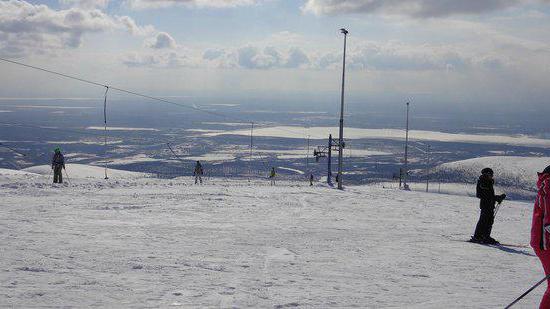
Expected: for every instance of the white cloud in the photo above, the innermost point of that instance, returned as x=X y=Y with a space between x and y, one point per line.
x=414 y=8
x=213 y=53
x=130 y=25
x=27 y=28
x=372 y=56
x=396 y=56
x=162 y=40
x=153 y=4
x=172 y=59
x=85 y=4
x=296 y=58
x=250 y=57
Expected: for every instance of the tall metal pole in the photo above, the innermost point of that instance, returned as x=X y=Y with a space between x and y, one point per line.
x=105 y=123
x=406 y=171
x=307 y=155
x=329 y=159
x=251 y=144
x=341 y=136
x=427 y=167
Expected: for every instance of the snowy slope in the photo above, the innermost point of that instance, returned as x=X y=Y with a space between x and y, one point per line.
x=7 y=175
x=519 y=172
x=234 y=243
x=4 y=172
x=77 y=171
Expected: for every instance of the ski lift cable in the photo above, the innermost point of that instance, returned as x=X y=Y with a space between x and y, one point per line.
x=120 y=89
x=175 y=154
x=13 y=150
x=417 y=148
x=193 y=107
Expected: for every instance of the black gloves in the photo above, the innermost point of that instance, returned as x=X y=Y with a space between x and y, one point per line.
x=500 y=198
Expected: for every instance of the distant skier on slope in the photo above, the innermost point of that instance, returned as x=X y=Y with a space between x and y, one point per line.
x=197 y=172
x=58 y=163
x=272 y=175
x=540 y=228
x=486 y=193
x=310 y=180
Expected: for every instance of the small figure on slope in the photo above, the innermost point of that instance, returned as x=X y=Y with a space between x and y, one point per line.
x=58 y=163
x=540 y=228
x=486 y=193
x=310 y=180
x=272 y=175
x=197 y=172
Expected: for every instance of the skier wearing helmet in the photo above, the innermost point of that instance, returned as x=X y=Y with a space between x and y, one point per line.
x=58 y=163
x=486 y=193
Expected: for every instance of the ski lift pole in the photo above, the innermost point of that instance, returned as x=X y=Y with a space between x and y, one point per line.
x=329 y=159
x=528 y=291
x=251 y=144
x=406 y=168
x=105 y=126
x=427 y=168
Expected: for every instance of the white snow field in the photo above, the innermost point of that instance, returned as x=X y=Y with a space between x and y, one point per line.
x=147 y=243
x=392 y=134
x=86 y=171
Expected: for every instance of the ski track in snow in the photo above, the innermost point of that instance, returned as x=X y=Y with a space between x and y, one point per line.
x=234 y=243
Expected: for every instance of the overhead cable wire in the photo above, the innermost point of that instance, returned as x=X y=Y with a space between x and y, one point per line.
x=11 y=149
x=139 y=94
x=122 y=90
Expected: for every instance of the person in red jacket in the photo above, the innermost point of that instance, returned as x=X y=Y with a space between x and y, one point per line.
x=540 y=229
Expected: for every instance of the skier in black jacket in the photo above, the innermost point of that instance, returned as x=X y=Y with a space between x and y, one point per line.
x=486 y=193
x=58 y=163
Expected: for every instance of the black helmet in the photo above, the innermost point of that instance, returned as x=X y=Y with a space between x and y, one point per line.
x=546 y=170
x=487 y=171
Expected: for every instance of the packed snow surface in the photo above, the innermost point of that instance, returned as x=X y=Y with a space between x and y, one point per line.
x=86 y=171
x=4 y=172
x=236 y=243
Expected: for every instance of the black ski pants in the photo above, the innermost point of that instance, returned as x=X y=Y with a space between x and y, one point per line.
x=485 y=223
x=57 y=174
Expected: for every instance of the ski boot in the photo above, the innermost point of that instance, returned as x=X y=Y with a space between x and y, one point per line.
x=477 y=240
x=491 y=241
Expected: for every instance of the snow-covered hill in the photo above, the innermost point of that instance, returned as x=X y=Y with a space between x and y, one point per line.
x=235 y=243
x=518 y=172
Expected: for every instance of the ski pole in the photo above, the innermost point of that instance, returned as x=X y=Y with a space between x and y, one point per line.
x=528 y=291
x=67 y=174
x=496 y=210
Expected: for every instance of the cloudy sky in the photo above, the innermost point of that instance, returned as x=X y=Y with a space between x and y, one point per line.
x=436 y=51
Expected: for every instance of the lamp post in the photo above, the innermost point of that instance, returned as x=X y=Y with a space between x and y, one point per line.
x=341 y=136
x=406 y=171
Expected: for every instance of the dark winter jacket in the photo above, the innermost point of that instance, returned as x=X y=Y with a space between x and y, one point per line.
x=540 y=238
x=58 y=160
x=198 y=170
x=486 y=192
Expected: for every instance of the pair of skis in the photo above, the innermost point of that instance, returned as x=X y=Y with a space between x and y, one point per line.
x=498 y=244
